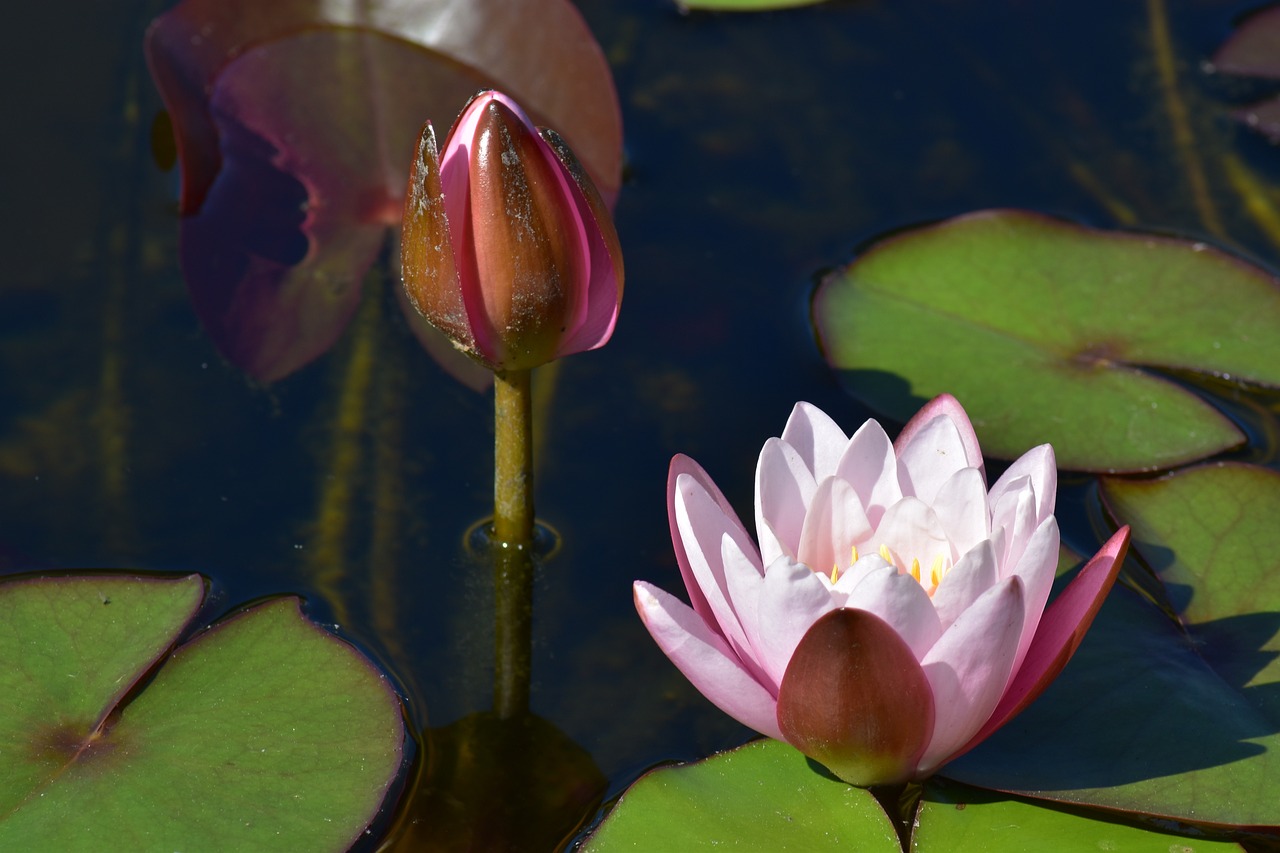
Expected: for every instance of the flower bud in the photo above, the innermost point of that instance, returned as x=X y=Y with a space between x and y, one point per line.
x=507 y=246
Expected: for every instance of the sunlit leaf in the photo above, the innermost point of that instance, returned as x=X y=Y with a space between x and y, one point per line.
x=296 y=120
x=1254 y=50
x=262 y=733
x=1168 y=710
x=762 y=796
x=1051 y=332
x=952 y=817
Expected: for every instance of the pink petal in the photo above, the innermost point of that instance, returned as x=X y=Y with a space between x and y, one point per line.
x=816 y=437
x=901 y=602
x=854 y=699
x=701 y=526
x=870 y=466
x=681 y=464
x=1058 y=635
x=1015 y=512
x=706 y=660
x=969 y=667
x=948 y=406
x=961 y=506
x=791 y=600
x=745 y=585
x=975 y=573
x=1040 y=467
x=1036 y=567
x=930 y=458
x=833 y=524
x=912 y=531
x=784 y=489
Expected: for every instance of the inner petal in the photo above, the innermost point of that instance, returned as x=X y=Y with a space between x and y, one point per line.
x=911 y=531
x=834 y=524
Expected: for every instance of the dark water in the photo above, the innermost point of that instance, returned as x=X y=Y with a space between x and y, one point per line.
x=762 y=150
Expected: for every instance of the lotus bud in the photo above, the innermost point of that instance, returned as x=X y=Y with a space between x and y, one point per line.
x=507 y=246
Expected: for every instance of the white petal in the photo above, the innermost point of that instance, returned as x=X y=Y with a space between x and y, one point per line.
x=784 y=489
x=930 y=458
x=706 y=660
x=1038 y=465
x=702 y=525
x=1036 y=567
x=834 y=523
x=975 y=573
x=1016 y=513
x=792 y=599
x=961 y=505
x=969 y=667
x=816 y=437
x=870 y=466
x=900 y=601
x=911 y=530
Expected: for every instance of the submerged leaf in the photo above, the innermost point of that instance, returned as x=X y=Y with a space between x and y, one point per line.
x=1254 y=50
x=296 y=120
x=1052 y=332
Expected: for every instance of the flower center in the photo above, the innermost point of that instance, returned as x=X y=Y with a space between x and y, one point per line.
x=937 y=571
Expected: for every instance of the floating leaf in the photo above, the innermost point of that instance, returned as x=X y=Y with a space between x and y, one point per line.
x=1047 y=332
x=1254 y=50
x=262 y=733
x=955 y=818
x=762 y=796
x=1172 y=717
x=296 y=120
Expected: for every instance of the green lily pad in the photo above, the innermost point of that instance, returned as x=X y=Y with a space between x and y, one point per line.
x=1175 y=716
x=954 y=818
x=762 y=796
x=262 y=733
x=1052 y=332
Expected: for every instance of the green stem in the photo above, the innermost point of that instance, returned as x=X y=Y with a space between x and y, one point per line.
x=512 y=542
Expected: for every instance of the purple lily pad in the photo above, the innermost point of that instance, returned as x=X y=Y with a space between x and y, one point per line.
x=1254 y=51
x=295 y=122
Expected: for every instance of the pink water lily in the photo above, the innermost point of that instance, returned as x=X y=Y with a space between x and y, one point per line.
x=893 y=614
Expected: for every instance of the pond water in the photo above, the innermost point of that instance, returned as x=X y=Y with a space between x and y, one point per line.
x=762 y=150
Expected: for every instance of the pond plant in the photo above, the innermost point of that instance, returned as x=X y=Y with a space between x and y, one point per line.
x=902 y=652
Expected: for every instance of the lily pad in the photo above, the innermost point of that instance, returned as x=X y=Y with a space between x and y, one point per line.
x=954 y=818
x=295 y=124
x=743 y=5
x=262 y=733
x=1170 y=715
x=1052 y=332
x=1254 y=50
x=762 y=796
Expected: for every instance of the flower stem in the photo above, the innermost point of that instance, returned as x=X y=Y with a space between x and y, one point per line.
x=512 y=542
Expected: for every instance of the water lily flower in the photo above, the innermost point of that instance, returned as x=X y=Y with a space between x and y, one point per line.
x=507 y=247
x=893 y=613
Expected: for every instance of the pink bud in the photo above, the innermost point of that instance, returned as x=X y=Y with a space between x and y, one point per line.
x=507 y=246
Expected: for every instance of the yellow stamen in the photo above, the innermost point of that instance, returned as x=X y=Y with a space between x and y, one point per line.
x=935 y=573
x=835 y=568
x=884 y=552
x=915 y=569
x=854 y=557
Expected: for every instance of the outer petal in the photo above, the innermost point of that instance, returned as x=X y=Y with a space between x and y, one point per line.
x=1036 y=567
x=1058 y=635
x=835 y=521
x=969 y=667
x=784 y=490
x=1040 y=467
x=854 y=698
x=681 y=464
x=816 y=437
x=931 y=457
x=706 y=660
x=792 y=599
x=870 y=466
x=945 y=404
x=902 y=603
